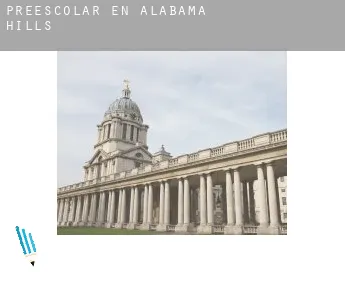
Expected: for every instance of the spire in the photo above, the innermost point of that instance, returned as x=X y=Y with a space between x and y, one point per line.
x=126 y=91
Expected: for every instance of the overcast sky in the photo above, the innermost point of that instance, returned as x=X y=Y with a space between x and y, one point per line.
x=190 y=100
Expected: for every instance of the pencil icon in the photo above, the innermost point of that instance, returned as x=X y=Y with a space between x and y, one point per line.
x=29 y=249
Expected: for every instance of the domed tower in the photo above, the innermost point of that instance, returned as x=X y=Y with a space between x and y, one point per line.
x=122 y=139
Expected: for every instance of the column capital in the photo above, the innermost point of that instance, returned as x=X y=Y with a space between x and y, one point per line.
x=269 y=163
x=259 y=164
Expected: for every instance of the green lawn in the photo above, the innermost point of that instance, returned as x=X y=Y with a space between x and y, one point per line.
x=103 y=231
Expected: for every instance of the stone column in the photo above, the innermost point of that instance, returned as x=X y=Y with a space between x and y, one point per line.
x=249 y=203
x=99 y=210
x=161 y=203
x=150 y=204
x=229 y=199
x=238 y=199
x=85 y=210
x=272 y=199
x=186 y=204
x=167 y=203
x=203 y=228
x=209 y=200
x=123 y=207
x=180 y=202
x=119 y=209
x=112 y=209
x=135 y=208
x=93 y=209
x=62 y=204
x=262 y=197
x=131 y=202
x=77 y=215
x=145 y=205
x=109 y=207
x=102 y=213
x=65 y=212
x=72 y=213
x=113 y=132
x=58 y=210
x=203 y=220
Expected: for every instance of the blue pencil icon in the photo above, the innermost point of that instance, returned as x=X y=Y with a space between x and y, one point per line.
x=27 y=244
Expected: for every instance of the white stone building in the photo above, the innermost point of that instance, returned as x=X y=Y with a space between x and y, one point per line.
x=236 y=188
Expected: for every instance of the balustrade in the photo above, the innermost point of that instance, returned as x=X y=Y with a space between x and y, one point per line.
x=243 y=145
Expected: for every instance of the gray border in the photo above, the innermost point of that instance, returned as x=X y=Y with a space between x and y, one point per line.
x=228 y=25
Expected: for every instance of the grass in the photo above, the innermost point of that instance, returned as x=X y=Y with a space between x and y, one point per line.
x=103 y=231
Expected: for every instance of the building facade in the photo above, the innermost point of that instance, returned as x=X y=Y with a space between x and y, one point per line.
x=236 y=188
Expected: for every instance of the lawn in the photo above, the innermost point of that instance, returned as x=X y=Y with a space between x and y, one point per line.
x=103 y=231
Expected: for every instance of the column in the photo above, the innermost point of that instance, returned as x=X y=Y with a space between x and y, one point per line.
x=113 y=134
x=145 y=204
x=180 y=202
x=112 y=208
x=119 y=208
x=167 y=203
x=123 y=207
x=131 y=206
x=60 y=206
x=58 y=210
x=85 y=209
x=229 y=199
x=238 y=198
x=272 y=196
x=202 y=200
x=135 y=208
x=209 y=200
x=77 y=214
x=66 y=210
x=249 y=202
x=161 y=203
x=72 y=213
x=150 y=205
x=262 y=197
x=99 y=207
x=102 y=215
x=94 y=208
x=109 y=206
x=186 y=204
x=61 y=210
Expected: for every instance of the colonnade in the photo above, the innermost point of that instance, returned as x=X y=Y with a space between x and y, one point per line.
x=133 y=207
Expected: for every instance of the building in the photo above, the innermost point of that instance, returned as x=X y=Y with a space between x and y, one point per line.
x=236 y=188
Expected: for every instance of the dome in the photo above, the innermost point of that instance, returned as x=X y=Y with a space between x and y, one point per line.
x=124 y=105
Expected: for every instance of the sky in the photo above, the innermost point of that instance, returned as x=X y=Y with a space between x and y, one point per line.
x=189 y=100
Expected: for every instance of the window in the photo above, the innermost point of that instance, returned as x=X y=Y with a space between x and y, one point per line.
x=285 y=215
x=284 y=201
x=139 y=155
x=283 y=190
x=109 y=130
x=137 y=164
x=137 y=134
x=132 y=132
x=124 y=131
x=281 y=179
